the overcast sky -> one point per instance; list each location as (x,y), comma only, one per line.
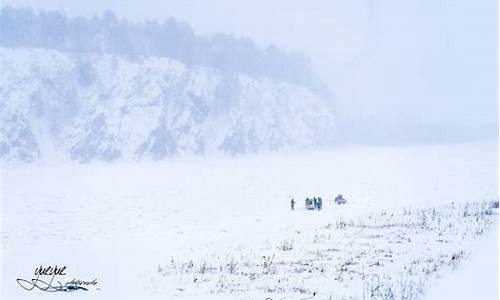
(392,64)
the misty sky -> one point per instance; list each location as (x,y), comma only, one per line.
(394,66)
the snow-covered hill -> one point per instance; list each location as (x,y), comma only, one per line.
(104,107)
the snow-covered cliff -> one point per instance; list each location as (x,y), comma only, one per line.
(106,107)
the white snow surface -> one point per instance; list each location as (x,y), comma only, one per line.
(221,228)
(475,279)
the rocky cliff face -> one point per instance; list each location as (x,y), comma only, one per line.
(103,107)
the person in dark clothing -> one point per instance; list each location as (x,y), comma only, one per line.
(315,203)
(320,203)
(292,204)
(309,204)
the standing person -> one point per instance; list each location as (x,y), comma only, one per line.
(315,203)
(320,203)
(292,204)
(309,203)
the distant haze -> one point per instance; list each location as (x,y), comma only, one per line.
(416,71)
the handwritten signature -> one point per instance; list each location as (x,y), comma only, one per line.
(53,285)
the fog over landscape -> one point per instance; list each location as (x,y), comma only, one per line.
(415,72)
(259,149)
(109,89)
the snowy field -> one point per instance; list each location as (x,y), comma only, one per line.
(222,228)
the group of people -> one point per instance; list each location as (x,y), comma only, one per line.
(311,203)
(316,203)
(340,199)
